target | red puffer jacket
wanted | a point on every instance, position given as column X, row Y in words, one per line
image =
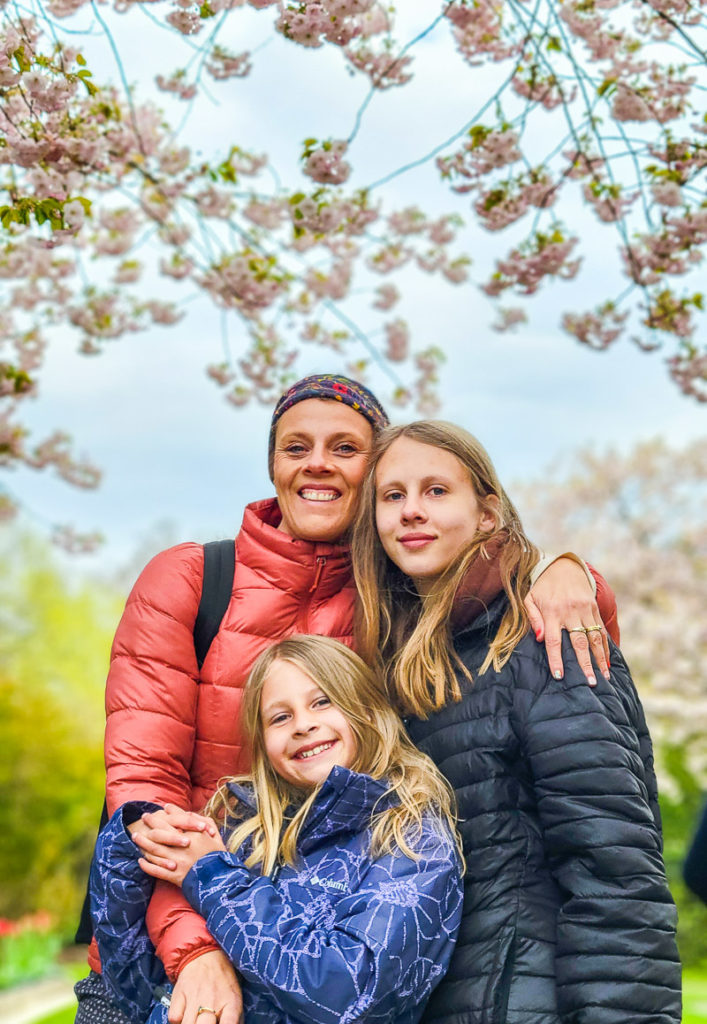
column 171, row 736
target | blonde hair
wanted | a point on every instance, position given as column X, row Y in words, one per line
column 408, row 638
column 383, row 751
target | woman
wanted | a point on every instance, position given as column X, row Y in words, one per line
column 170, row 735
column 567, row 913
column 339, row 817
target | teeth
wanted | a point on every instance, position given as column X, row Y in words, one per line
column 315, row 750
column 312, row 495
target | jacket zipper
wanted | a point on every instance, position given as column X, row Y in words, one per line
column 321, row 562
column 504, row 983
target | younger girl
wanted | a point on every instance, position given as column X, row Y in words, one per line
column 567, row 914
column 335, row 889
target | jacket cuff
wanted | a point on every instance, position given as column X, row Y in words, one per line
column 546, row 560
column 195, row 954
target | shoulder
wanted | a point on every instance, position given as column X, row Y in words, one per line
column 172, row 575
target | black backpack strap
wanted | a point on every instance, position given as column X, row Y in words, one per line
column 216, row 591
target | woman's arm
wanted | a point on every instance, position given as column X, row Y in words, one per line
column 151, row 700
column 378, row 950
column 616, row 957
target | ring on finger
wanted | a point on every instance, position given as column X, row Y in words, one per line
column 577, row 629
column 592, row 629
column 206, row 1009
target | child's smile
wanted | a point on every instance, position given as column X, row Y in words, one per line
column 305, row 735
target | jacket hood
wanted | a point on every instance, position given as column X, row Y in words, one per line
column 344, row 805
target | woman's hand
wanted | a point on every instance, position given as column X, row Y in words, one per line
column 208, row 984
column 563, row 599
column 168, row 852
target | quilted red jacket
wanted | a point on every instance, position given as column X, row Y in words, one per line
column 171, row 734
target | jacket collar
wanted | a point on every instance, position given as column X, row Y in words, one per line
column 343, row 806
column 286, row 562
column 477, row 598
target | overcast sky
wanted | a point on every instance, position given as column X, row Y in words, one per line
column 172, row 449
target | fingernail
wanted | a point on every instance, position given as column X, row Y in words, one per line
column 557, row 674
column 607, row 676
column 538, row 634
column 591, row 680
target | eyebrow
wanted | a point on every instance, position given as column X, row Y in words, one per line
column 339, row 436
column 269, row 708
column 437, row 478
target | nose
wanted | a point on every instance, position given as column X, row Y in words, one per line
column 412, row 509
column 319, row 460
column 302, row 723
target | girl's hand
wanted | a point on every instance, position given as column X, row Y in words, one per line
column 169, row 854
column 563, row 599
column 173, row 822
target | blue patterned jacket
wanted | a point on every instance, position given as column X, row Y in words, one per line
column 338, row 938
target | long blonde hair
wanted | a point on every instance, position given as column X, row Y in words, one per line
column 408, row 638
column 383, row 751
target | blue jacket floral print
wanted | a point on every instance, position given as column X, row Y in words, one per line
column 340, row 937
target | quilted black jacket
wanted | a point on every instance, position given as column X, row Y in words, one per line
column 567, row 914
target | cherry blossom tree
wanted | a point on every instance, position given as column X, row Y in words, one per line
column 639, row 517
column 595, row 102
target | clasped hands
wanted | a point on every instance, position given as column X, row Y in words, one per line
column 172, row 840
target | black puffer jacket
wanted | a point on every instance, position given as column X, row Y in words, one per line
column 567, row 914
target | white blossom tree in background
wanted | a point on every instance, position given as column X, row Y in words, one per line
column 640, row 518
column 592, row 101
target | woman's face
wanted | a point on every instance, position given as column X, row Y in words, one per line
column 426, row 509
column 304, row 734
column 321, row 453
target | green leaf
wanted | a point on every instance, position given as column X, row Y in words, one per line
column 80, row 59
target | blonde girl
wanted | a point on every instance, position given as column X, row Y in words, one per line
column 567, row 914
column 334, row 885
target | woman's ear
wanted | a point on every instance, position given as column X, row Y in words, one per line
column 490, row 514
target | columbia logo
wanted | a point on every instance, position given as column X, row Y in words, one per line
column 328, row 883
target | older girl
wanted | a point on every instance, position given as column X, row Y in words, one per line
column 567, row 914
column 336, row 888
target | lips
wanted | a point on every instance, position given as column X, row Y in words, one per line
column 413, row 541
column 319, row 493
column 305, row 753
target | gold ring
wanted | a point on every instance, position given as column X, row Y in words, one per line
column 577, row 629
column 206, row 1009
column 591, row 629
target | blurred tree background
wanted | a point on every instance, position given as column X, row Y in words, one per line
column 638, row 516
column 55, row 636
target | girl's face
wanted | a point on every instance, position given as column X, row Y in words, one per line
column 426, row 509
column 305, row 735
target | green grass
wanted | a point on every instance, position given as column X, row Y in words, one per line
column 694, row 994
